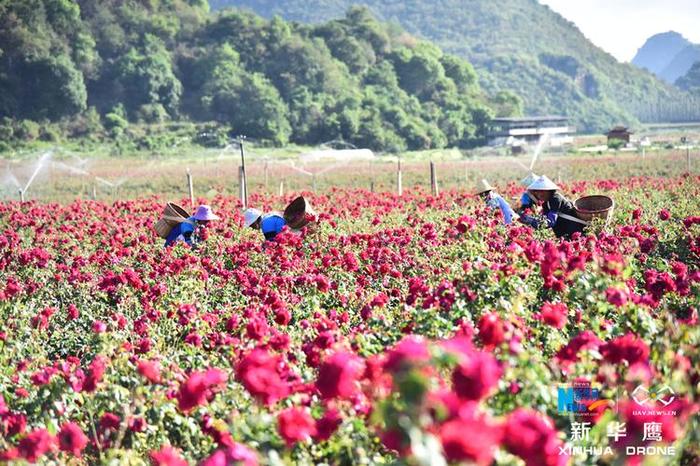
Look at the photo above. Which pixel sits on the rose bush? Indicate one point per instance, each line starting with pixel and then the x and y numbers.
pixel 415 329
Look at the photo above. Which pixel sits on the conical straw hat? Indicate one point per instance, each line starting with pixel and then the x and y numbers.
pixel 543 184
pixel 529 179
pixel 483 186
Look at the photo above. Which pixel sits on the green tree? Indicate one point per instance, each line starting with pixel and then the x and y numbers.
pixel 258 111
pixel 507 104
pixel 146 74
pixel 246 101
pixel 52 88
pixel 460 72
pixel 418 69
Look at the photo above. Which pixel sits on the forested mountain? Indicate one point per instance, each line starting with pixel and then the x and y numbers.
pixel 659 50
pixel 110 62
pixel 668 55
pixel 691 80
pixel 681 63
pixel 522 46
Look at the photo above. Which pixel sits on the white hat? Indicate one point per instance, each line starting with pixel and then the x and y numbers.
pixel 543 184
pixel 529 179
pixel 483 186
pixel 250 216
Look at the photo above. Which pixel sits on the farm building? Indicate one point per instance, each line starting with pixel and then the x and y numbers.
pixel 529 130
pixel 619 133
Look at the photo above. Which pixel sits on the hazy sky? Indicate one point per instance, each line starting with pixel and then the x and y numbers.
pixel 620 27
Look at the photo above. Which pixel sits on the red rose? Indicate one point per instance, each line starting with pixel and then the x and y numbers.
pixel 71 439
pixel 554 314
pixel 327 425
pixel 473 441
pixel 664 214
pixel 258 372
pixel 476 376
pixel 491 331
pixel 95 373
pixel 410 350
pixel 13 423
pixel 99 327
pixel 338 375
pixel 167 456
pixel 533 438
pixel 616 296
pixel 237 454
pixel 73 312
pixel 198 387
pixel 628 348
pixel 150 370
pixel 295 425
pixel 109 421
pixel 584 340
pixel 257 328
pixel 10 454
pixel 36 444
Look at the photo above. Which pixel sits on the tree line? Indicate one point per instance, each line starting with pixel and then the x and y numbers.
pixel 97 67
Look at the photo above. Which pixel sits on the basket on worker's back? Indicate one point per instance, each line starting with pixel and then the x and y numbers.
pixel 299 213
pixel 594 207
pixel 173 215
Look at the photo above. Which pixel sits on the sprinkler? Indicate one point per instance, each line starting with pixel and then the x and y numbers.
pixel 43 160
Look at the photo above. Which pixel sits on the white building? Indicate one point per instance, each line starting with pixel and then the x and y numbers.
pixel 530 130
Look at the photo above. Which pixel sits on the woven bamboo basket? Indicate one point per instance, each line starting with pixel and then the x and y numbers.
pixel 299 213
pixel 597 206
pixel 173 215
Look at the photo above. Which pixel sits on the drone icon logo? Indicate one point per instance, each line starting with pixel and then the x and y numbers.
pixel 643 397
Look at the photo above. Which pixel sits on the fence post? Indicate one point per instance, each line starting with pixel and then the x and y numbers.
pixel 371 186
pixel 399 180
pixel 433 180
pixel 190 187
pixel 241 187
pixel 94 192
pixel 244 181
pixel 265 170
pixel 21 195
pixel 281 193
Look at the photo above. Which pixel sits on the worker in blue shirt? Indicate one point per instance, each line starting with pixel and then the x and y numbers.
pixel 528 203
pixel 495 201
pixel 269 224
pixel 187 231
pixel 527 200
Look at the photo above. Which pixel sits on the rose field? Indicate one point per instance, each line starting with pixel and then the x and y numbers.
pixel 413 330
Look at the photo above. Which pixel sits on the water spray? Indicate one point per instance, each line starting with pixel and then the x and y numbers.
pixel 43 160
pixel 538 149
